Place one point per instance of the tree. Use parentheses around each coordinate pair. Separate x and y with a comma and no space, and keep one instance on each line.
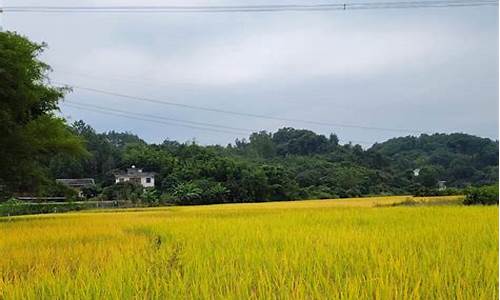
(299,142)
(486,195)
(334,139)
(263,145)
(187,193)
(105,155)
(30,133)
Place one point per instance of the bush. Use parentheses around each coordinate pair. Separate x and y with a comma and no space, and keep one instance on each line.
(90,191)
(428,192)
(486,195)
(56,189)
(167,199)
(150,196)
(187,193)
(15,207)
(318,192)
(123,191)
(199,192)
(132,192)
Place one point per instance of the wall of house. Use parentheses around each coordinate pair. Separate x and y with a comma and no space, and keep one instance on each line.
(144,180)
(145,183)
(121,179)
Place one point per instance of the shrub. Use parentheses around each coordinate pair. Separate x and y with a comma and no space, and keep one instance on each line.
(150,196)
(123,191)
(200,192)
(187,193)
(167,199)
(90,191)
(428,192)
(318,192)
(485,195)
(15,207)
(56,189)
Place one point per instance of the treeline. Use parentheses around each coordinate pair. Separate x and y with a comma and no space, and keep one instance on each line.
(284,165)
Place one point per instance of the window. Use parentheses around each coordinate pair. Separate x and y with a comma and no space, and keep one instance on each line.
(148,180)
(121,179)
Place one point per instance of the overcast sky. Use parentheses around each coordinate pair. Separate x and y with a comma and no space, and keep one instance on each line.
(428,70)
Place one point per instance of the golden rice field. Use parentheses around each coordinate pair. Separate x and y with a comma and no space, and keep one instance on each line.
(320,249)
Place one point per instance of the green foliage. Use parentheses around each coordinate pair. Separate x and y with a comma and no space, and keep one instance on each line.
(261,143)
(289,164)
(149,157)
(150,197)
(187,193)
(486,195)
(200,192)
(58,190)
(30,134)
(426,192)
(90,191)
(458,158)
(15,207)
(300,142)
(123,191)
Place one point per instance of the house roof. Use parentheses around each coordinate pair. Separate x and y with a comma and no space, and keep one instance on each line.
(134,172)
(138,174)
(76,182)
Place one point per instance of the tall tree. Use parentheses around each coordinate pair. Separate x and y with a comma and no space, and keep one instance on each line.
(30,132)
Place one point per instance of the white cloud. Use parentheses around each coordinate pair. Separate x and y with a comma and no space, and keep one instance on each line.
(115,61)
(273,52)
(302,53)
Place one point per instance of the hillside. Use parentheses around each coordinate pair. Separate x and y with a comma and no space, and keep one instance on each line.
(287,164)
(458,158)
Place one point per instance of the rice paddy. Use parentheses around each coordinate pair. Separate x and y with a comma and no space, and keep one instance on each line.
(318,249)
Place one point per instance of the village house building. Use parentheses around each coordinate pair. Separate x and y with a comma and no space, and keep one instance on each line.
(136,175)
(77,183)
(441,185)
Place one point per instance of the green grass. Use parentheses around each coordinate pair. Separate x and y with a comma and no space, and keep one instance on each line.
(331,249)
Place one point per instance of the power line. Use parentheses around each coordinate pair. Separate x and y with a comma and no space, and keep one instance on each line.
(133,117)
(145,81)
(86,105)
(151,118)
(237,113)
(252,8)
(259,7)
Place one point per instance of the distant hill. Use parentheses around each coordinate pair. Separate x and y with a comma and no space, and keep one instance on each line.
(458,158)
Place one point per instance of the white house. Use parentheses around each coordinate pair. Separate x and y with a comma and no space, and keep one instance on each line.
(133,174)
(442,185)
